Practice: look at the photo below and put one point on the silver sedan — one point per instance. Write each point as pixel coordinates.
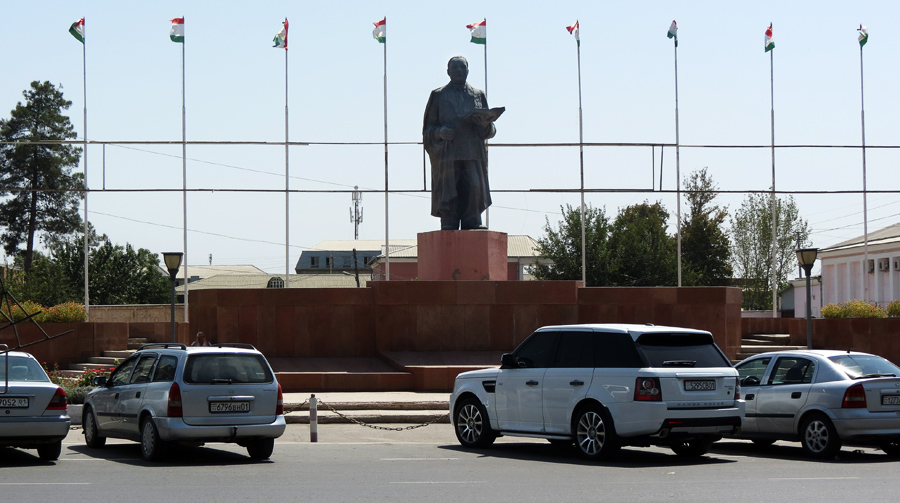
(33, 410)
(823, 399)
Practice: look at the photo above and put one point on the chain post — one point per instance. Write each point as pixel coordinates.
(313, 419)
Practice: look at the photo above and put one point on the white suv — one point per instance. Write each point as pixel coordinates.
(167, 393)
(603, 386)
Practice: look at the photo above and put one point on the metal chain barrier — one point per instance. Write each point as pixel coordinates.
(388, 428)
(295, 408)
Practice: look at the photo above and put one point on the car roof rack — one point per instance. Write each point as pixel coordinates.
(242, 345)
(162, 345)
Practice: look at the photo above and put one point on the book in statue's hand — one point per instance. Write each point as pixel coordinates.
(484, 116)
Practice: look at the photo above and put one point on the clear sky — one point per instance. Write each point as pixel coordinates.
(235, 91)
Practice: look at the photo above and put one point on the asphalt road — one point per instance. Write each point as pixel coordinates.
(353, 463)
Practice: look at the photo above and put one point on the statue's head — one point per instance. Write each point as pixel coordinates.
(458, 69)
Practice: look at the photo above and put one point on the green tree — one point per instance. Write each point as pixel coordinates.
(563, 247)
(641, 252)
(751, 246)
(41, 194)
(705, 248)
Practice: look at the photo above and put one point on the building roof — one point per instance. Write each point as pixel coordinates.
(359, 244)
(890, 234)
(262, 280)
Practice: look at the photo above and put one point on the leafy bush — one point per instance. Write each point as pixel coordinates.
(893, 309)
(76, 387)
(68, 312)
(76, 395)
(854, 309)
(20, 311)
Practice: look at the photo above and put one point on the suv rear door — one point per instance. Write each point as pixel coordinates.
(693, 372)
(232, 388)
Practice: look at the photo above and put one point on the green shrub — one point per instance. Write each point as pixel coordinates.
(76, 395)
(68, 312)
(20, 311)
(854, 309)
(893, 309)
(831, 310)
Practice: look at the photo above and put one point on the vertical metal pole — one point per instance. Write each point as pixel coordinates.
(487, 211)
(677, 168)
(184, 184)
(862, 117)
(387, 239)
(172, 282)
(808, 310)
(581, 168)
(313, 419)
(774, 205)
(87, 295)
(287, 186)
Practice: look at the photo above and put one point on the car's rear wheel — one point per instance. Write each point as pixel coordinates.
(152, 447)
(50, 452)
(473, 429)
(891, 448)
(595, 436)
(693, 448)
(819, 438)
(261, 449)
(91, 437)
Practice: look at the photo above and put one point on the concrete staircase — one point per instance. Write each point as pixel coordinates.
(754, 344)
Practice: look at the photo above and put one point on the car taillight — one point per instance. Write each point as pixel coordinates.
(646, 389)
(58, 402)
(174, 407)
(279, 404)
(854, 397)
(737, 392)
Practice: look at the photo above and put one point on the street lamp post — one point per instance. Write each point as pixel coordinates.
(807, 258)
(173, 263)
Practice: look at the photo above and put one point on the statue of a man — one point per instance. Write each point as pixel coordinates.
(454, 139)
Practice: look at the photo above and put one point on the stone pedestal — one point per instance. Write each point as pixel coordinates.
(462, 255)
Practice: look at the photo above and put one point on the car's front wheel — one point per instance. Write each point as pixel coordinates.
(473, 429)
(595, 436)
(819, 438)
(693, 448)
(152, 447)
(91, 437)
(50, 452)
(261, 449)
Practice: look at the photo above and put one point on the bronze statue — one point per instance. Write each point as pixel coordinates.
(457, 122)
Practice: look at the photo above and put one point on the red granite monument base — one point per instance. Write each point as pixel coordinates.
(462, 255)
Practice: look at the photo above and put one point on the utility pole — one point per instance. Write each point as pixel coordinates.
(356, 212)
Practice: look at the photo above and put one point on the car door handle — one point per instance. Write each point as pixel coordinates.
(532, 383)
(577, 383)
(796, 394)
(749, 396)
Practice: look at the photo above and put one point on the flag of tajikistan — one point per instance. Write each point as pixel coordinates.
(673, 32)
(281, 36)
(863, 35)
(478, 31)
(177, 32)
(380, 31)
(770, 41)
(574, 31)
(77, 30)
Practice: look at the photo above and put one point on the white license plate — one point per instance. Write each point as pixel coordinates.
(229, 407)
(699, 385)
(890, 400)
(13, 403)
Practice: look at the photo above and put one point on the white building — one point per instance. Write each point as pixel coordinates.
(847, 274)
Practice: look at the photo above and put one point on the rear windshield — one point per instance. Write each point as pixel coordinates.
(861, 366)
(227, 368)
(22, 369)
(682, 350)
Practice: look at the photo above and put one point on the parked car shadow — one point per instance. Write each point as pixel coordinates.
(628, 457)
(10, 456)
(793, 451)
(178, 455)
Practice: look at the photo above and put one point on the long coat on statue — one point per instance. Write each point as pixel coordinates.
(448, 106)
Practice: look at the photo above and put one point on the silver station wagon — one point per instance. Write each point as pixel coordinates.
(823, 398)
(167, 393)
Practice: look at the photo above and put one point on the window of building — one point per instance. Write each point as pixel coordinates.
(346, 263)
(275, 282)
(313, 262)
(329, 262)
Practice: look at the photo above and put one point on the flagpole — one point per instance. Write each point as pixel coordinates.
(387, 241)
(87, 298)
(287, 202)
(677, 166)
(862, 116)
(774, 210)
(581, 169)
(184, 179)
(487, 211)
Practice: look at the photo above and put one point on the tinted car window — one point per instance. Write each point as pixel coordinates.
(22, 369)
(575, 350)
(857, 366)
(752, 372)
(120, 375)
(165, 370)
(233, 368)
(142, 370)
(682, 350)
(538, 351)
(616, 351)
(792, 370)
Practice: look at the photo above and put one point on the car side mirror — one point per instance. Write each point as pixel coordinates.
(508, 361)
(99, 381)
